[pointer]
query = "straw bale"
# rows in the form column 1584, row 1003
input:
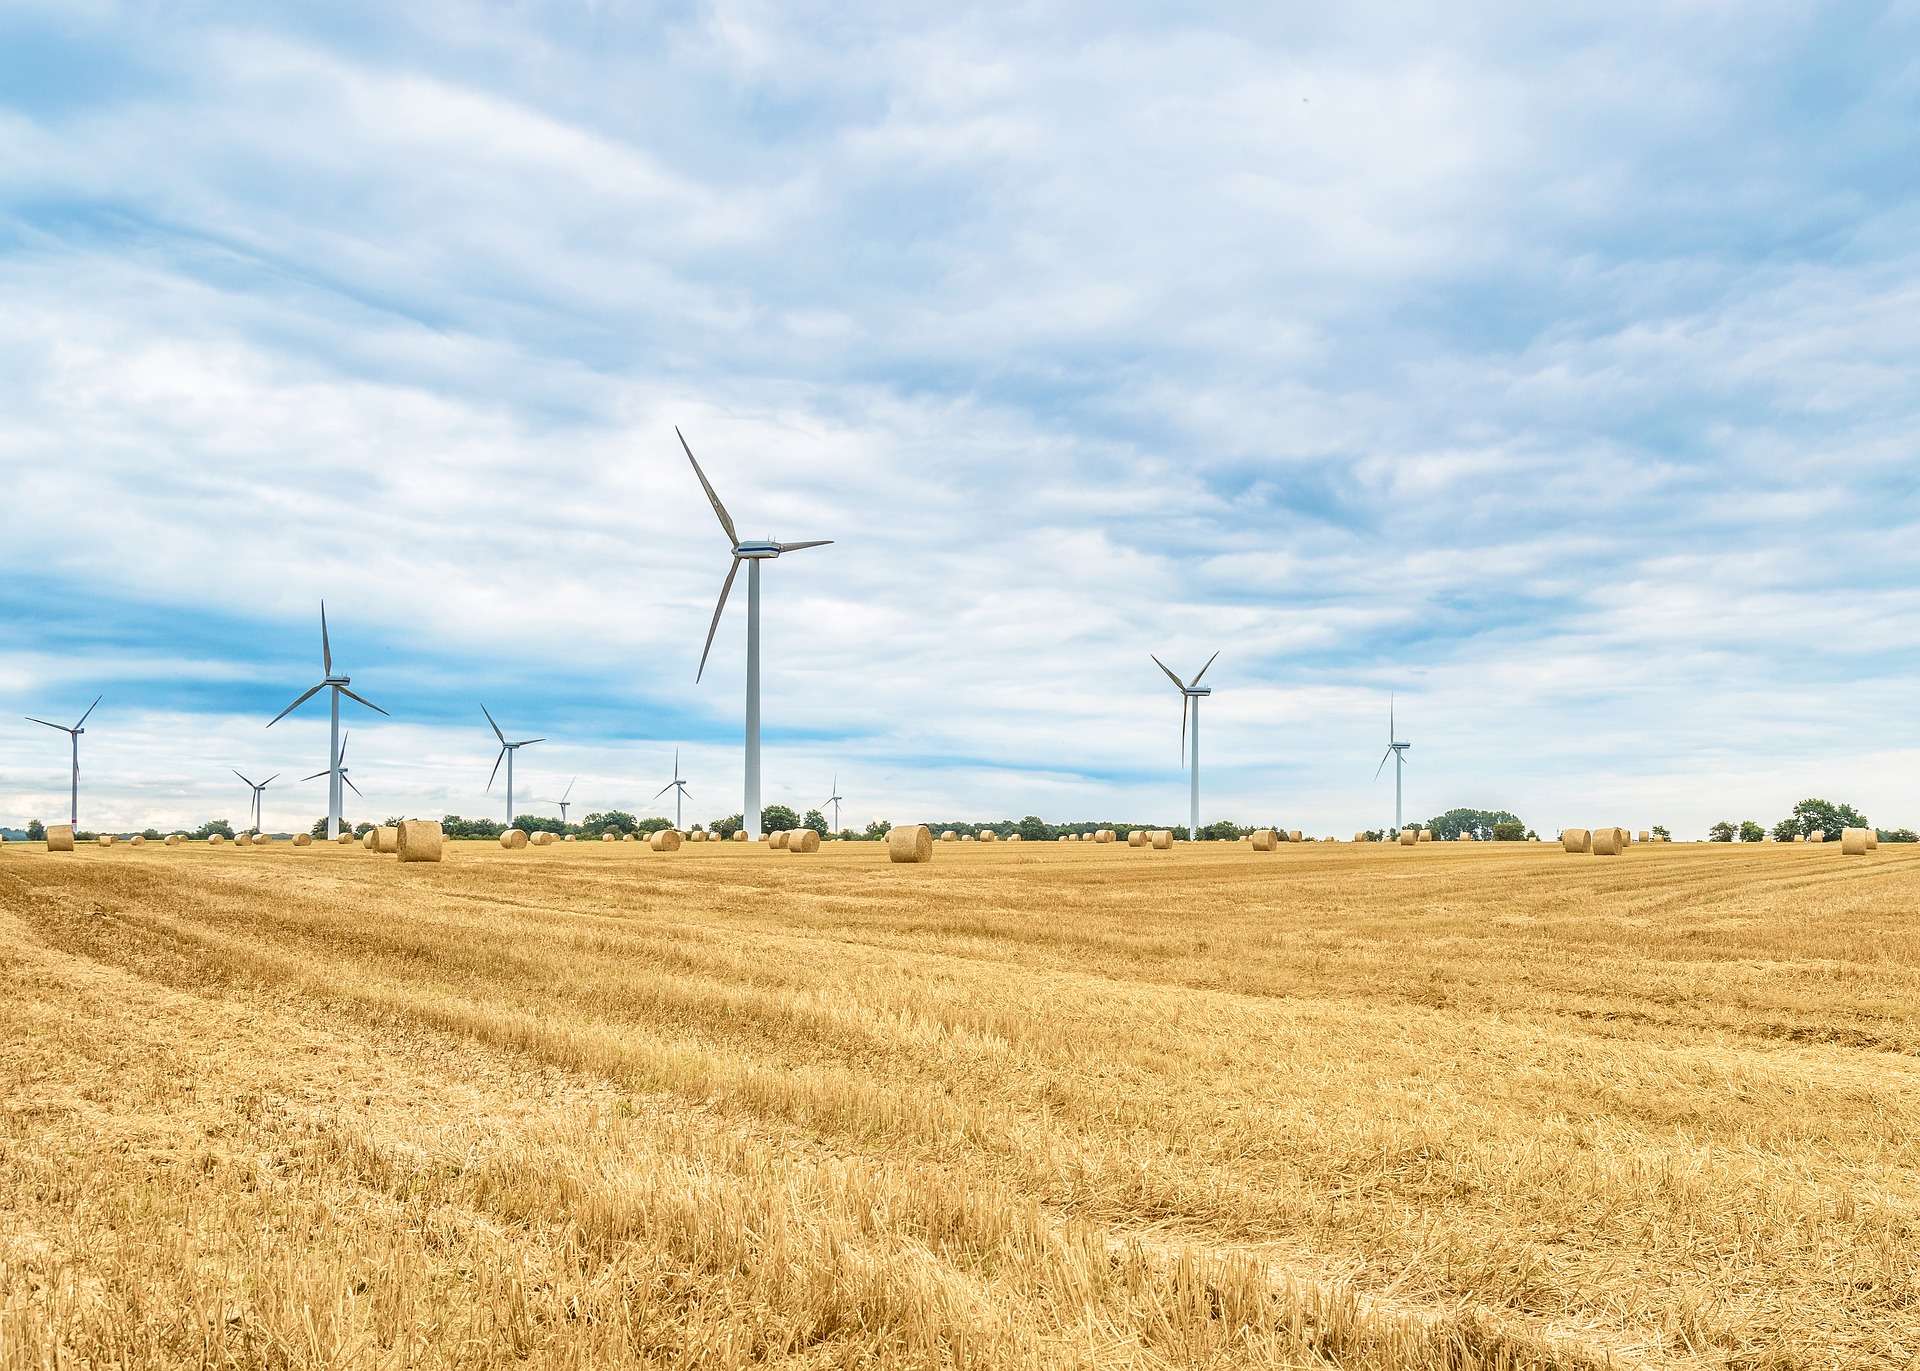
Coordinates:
column 262, row 840
column 137, row 840
column 1608, row 842
column 1162, row 839
column 513, row 839
column 1103, row 835
column 803, row 840
column 1409, row 836
column 344, row 840
column 1644, row 837
column 909, row 843
column 1013, row 837
column 1817, row 836
column 988, row 835
column 175, row 839
column 243, row 840
column 1264, row 840
column 303, row 840
column 419, row 840
column 1360, row 837
column 778, row 841
column 215, row 840
column 541, row 839
column 1137, row 838
column 666, row 840
column 1426, row 835
column 949, row 836
column 370, row 840
column 1853, row 842
column 386, row 839
column 104, row 840
column 1873, row 839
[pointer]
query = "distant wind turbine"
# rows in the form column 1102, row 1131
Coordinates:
column 834, row 800
column 73, row 735
column 338, row 771
column 257, row 787
column 678, row 786
column 507, row 750
column 1397, row 751
column 562, row 801
column 1190, row 698
column 752, row 553
column 336, row 746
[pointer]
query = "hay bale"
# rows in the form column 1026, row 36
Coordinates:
column 803, row 840
column 303, row 840
column 541, row 839
column 1264, row 840
column 137, row 840
column 1576, row 840
column 386, row 839
column 243, row 840
column 1799, row 837
column 1061, row 839
column 699, row 835
column 513, row 839
column 103, row 840
column 345, row 840
column 1853, row 842
column 1360, row 837
column 1609, row 842
column 909, row 843
column 175, row 839
column 740, row 836
column 215, row 840
column 1644, row 837
column 418, row 840
column 1409, row 836
column 778, row 841
column 370, row 840
column 1103, row 835
column 968, row 838
column 1162, row 839
column 949, row 836
column 1819, row 835
column 1873, row 840
column 262, row 840
column 1426, row 835
column 1137, row 838
column 1464, row 838
column 666, row 840
column 1013, row 837
column 988, row 835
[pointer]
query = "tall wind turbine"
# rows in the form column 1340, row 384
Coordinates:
column 338, row 777
column 678, row 787
column 260, row 786
column 1397, row 751
column 562, row 801
column 752, row 554
column 336, row 686
column 834, row 800
column 1190, row 698
column 73, row 734
column 507, row 750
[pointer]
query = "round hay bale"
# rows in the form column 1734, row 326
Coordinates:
column 386, row 839
column 1013, row 837
column 541, row 839
column 1799, row 837
column 1264, row 840
column 1644, row 837
column 909, row 843
column 949, row 836
column 137, row 840
column 262, row 840
column 303, row 840
column 803, row 840
column 988, row 835
column 175, row 839
column 968, row 838
column 1293, row 835
column 370, row 840
column 1360, row 837
column 1103, row 835
column 666, row 840
column 778, row 841
column 345, row 840
column 418, row 840
column 1853, row 842
column 740, row 835
column 1162, row 839
column 1576, row 840
column 513, row 839
column 1608, row 842
column 1873, row 840
column 1426, row 835
column 1409, row 836
column 699, row 835
column 1137, row 838
column 571, row 838
column 1818, row 835
column 243, row 840
column 215, row 840
column 1464, row 838
column 1061, row 839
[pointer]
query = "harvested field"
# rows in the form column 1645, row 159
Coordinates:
column 1081, row 1105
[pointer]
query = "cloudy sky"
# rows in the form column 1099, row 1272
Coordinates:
column 1552, row 367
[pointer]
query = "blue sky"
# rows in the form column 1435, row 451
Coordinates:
column 1553, row 370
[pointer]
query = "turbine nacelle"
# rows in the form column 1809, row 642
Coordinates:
column 757, row 552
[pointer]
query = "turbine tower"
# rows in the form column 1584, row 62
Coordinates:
column 752, row 553
column 1190, row 697
column 1397, row 751
column 678, row 786
column 336, row 686
column 507, row 750
column 562, row 801
column 338, row 773
column 73, row 734
column 834, row 800
column 257, row 788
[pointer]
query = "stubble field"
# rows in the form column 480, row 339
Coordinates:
column 1039, row 1106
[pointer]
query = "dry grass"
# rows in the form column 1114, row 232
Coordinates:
column 1079, row 1106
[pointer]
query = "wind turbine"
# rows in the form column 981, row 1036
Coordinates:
column 1397, row 751
column 678, row 786
column 336, row 747
column 562, row 801
column 1190, row 697
column 752, row 554
column 834, row 800
column 339, row 772
column 73, row 734
column 260, row 787
column 507, row 750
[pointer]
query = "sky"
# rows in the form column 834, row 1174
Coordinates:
column 1548, row 369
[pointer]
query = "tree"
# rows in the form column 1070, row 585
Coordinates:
column 539, row 823
column 36, row 831
column 1810, row 815
column 1660, row 831
column 879, row 829
column 1509, row 831
column 613, row 821
column 152, row 835
column 1721, row 832
column 778, row 819
column 1222, row 828
column 1034, row 829
column 816, row 821
column 211, row 827
column 727, row 827
column 456, row 827
column 1478, row 822
column 1751, row 832
column 360, row 830
column 1898, row 835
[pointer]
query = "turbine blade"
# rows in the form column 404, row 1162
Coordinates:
column 568, row 791
column 1185, row 700
column 496, row 727
column 364, row 700
column 524, row 741
column 496, row 766
column 326, row 647
column 726, row 588
column 296, row 704
column 318, row 774
column 341, row 760
column 1178, row 683
column 1203, row 670
column 1383, row 763
column 663, row 790
column 1390, row 729
column 30, row 719
column 796, row 547
column 269, row 781
column 90, row 709
column 726, row 520
column 346, row 781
